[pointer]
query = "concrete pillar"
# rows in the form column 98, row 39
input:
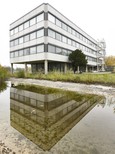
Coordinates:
column 65, row 67
column 86, row 68
column 12, row 68
column 78, row 69
column 46, row 67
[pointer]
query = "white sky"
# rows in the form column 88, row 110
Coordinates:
column 95, row 17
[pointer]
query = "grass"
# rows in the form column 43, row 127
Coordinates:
column 87, row 78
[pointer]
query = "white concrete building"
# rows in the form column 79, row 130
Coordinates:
column 44, row 38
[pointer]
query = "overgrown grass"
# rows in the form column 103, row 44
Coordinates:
column 88, row 78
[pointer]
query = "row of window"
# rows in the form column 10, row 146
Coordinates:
column 27, row 38
column 27, row 51
column 27, row 24
column 58, row 50
column 69, row 29
column 67, row 40
column 40, row 48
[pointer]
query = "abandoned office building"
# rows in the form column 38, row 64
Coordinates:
column 44, row 38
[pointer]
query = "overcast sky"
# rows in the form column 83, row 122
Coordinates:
column 95, row 17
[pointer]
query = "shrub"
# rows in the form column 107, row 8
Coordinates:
column 20, row 74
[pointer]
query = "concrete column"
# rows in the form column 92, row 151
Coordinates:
column 78, row 69
column 12, row 68
column 46, row 67
column 86, row 68
column 65, row 67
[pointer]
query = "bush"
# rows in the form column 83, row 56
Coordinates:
column 20, row 74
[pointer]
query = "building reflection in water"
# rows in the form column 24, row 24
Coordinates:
column 46, row 118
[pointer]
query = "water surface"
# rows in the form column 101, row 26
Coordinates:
column 38, row 123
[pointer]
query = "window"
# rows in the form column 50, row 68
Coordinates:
column 51, row 33
column 16, row 42
column 51, row 18
column 21, row 53
column 58, row 36
column 32, row 50
column 73, row 43
column 11, row 43
column 20, row 27
column 12, row 32
column 64, row 52
column 40, row 48
column 26, row 24
column 21, row 40
column 58, row 22
column 73, row 31
column 32, row 36
column 64, row 26
column 69, row 41
column 40, row 17
column 40, row 33
column 16, row 30
column 77, row 45
column 11, row 54
column 26, row 38
column 69, row 29
column 32, row 21
column 64, row 39
column 58, row 50
column 51, row 48
column 16, row 53
column 26, row 51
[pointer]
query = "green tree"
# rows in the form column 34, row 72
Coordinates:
column 77, row 59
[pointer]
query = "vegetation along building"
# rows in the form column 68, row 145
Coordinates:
column 44, row 38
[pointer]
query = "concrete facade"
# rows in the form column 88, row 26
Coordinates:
column 44, row 38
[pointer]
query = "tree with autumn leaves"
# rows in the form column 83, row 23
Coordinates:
column 110, row 61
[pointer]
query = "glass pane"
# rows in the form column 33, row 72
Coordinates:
column 26, row 24
column 11, row 43
column 58, row 22
column 64, row 52
column 20, row 27
column 32, row 36
column 16, row 30
column 40, row 17
column 69, row 41
column 16, row 42
column 58, row 50
column 32, row 21
column 32, row 50
column 26, row 51
column 26, row 38
column 21, row 53
column 64, row 39
column 40, row 33
column 51, row 18
column 20, row 40
column 40, row 48
column 51, row 33
column 51, row 48
column 69, row 29
column 58, row 36
column 16, row 54
column 12, row 32
column 64, row 26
